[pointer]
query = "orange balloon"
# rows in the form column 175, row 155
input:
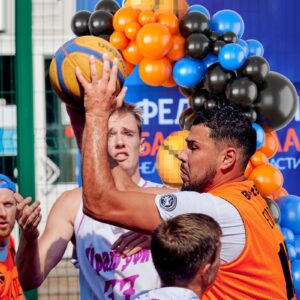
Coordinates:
column 177, row 51
column 132, row 53
column 154, row 40
column 248, row 169
column 278, row 194
column 118, row 40
column 124, row 16
column 170, row 82
column 128, row 67
column 270, row 145
column 131, row 30
column 155, row 72
column 169, row 20
column 259, row 158
column 267, row 178
column 147, row 16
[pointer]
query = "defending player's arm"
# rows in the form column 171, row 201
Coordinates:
column 37, row 256
column 101, row 199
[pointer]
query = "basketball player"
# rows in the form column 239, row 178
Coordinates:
column 103, row 273
column 255, row 263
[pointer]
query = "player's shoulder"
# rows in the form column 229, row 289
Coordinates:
column 70, row 199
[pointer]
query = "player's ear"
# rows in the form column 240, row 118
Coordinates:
column 142, row 145
column 228, row 157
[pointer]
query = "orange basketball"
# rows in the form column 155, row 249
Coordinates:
column 76, row 53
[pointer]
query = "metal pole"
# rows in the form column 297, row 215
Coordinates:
column 24, row 97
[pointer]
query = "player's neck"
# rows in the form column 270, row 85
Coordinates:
column 136, row 177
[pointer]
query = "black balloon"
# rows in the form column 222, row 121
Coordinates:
column 214, row 36
column 109, row 6
column 101, row 22
column 184, row 116
column 229, row 37
column 217, row 78
column 274, row 209
column 186, row 92
column 256, row 68
column 241, row 91
column 211, row 103
column 104, row 36
column 197, row 101
column 277, row 102
column 79, row 23
column 193, row 22
column 197, row 45
column 189, row 121
column 217, row 46
column 251, row 114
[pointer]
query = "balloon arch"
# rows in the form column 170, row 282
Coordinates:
column 174, row 44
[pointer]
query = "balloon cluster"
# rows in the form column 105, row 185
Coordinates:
column 290, row 227
column 221, row 68
column 99, row 23
column 151, row 40
column 268, row 179
column 205, row 56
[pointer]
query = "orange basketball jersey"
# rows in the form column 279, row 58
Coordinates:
column 262, row 271
column 10, row 288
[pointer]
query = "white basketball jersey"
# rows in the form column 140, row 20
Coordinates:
column 103, row 274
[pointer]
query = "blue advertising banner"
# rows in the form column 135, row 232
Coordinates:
column 274, row 24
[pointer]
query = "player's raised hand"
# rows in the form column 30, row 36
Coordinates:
column 99, row 95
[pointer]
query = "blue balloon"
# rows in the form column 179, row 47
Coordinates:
column 199, row 8
column 290, row 212
column 188, row 72
column 260, row 135
column 228, row 21
column 209, row 60
column 291, row 251
column 296, row 274
column 297, row 245
column 288, row 235
column 244, row 45
column 232, row 56
column 255, row 48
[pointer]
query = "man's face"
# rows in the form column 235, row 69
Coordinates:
column 124, row 142
column 8, row 209
column 199, row 160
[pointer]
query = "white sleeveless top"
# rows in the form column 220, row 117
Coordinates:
column 104, row 274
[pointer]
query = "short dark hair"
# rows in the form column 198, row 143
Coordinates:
column 181, row 245
column 231, row 126
column 128, row 108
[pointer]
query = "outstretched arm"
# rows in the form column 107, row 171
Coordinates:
column 101, row 199
column 36, row 257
